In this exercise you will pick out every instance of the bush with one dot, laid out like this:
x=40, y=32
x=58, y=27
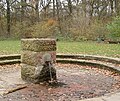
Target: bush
x=114, y=29
x=18, y=29
x=3, y=28
x=42, y=29
x=79, y=28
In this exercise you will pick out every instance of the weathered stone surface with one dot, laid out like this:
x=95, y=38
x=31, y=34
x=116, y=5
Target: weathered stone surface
x=39, y=48
x=35, y=58
x=37, y=74
x=40, y=41
x=38, y=56
x=27, y=72
x=38, y=45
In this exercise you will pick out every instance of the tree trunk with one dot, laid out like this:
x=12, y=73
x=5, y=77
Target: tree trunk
x=70, y=7
x=22, y=10
x=117, y=9
x=37, y=10
x=84, y=4
x=8, y=18
x=53, y=8
x=58, y=16
x=111, y=6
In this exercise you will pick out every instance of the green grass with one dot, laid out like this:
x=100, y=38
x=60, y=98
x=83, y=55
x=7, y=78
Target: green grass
x=92, y=48
x=9, y=47
x=111, y=50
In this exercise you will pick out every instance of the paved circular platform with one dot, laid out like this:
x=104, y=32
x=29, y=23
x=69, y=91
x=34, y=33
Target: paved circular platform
x=75, y=82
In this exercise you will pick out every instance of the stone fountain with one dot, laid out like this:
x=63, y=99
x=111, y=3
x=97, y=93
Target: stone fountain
x=38, y=57
x=74, y=81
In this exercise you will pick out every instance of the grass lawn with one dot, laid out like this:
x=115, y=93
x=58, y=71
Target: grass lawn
x=9, y=47
x=112, y=50
x=91, y=48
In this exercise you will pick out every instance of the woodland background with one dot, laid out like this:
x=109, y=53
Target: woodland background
x=73, y=20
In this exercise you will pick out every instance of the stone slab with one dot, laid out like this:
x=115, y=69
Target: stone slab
x=93, y=99
x=113, y=97
x=38, y=45
x=109, y=97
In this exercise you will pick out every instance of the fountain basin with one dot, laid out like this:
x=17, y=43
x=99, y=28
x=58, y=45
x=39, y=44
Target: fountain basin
x=75, y=82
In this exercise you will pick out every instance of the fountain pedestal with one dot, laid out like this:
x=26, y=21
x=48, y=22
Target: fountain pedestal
x=37, y=59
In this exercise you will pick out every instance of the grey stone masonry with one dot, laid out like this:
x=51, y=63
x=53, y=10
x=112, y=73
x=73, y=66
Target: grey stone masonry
x=33, y=55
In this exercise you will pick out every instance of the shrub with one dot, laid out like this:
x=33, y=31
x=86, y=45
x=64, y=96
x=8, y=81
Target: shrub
x=42, y=29
x=114, y=29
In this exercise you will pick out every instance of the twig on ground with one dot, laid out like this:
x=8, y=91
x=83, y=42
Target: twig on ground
x=15, y=89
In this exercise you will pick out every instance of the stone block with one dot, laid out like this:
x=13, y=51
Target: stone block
x=38, y=45
x=27, y=72
x=35, y=58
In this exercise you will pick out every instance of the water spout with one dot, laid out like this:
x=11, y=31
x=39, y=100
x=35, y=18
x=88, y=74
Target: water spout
x=49, y=65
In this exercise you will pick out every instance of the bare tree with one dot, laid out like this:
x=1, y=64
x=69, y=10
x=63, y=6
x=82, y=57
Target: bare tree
x=8, y=18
